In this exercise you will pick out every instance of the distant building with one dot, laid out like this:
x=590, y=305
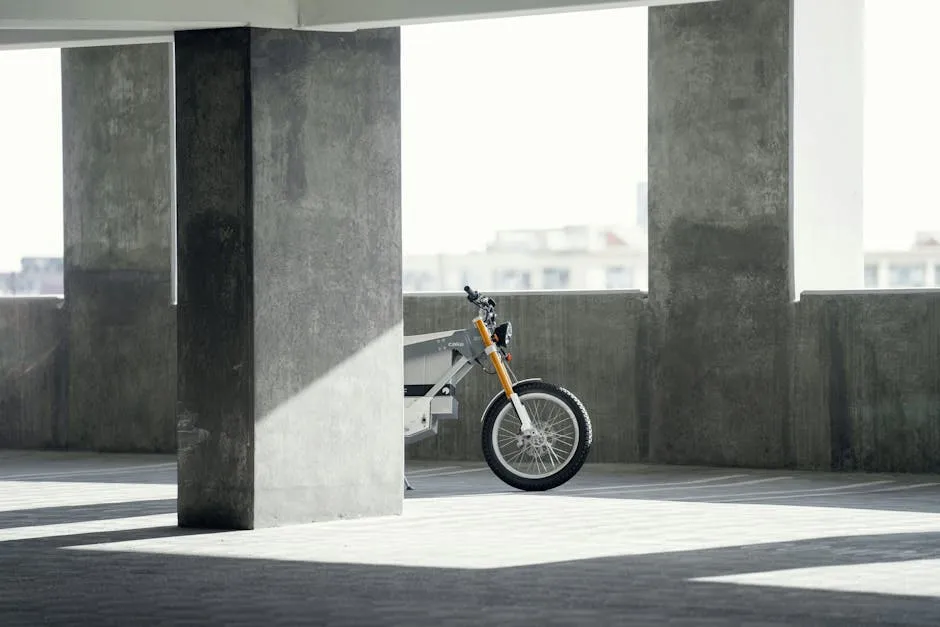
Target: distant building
x=578, y=257
x=38, y=276
x=599, y=258
x=574, y=257
x=918, y=267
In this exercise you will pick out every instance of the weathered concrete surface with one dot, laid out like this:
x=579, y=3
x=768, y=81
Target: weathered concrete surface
x=867, y=374
x=290, y=305
x=118, y=162
x=720, y=280
x=32, y=373
x=587, y=342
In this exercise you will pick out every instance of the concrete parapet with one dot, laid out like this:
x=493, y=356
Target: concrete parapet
x=867, y=381
x=864, y=391
x=32, y=373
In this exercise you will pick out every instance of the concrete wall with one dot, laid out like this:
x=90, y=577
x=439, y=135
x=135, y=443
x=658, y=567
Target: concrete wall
x=865, y=391
x=865, y=376
x=867, y=382
x=589, y=342
x=32, y=373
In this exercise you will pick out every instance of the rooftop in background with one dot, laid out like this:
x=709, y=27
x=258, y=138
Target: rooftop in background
x=569, y=239
x=927, y=239
x=38, y=276
x=924, y=245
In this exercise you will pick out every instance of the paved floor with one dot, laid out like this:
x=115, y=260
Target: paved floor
x=90, y=539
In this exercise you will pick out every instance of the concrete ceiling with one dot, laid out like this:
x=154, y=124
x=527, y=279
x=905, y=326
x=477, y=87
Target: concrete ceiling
x=42, y=23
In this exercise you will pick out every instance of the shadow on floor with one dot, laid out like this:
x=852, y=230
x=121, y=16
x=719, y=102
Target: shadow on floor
x=40, y=583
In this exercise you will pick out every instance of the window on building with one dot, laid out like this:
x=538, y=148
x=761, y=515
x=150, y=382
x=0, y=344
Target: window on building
x=513, y=280
x=902, y=275
x=871, y=276
x=556, y=278
x=619, y=278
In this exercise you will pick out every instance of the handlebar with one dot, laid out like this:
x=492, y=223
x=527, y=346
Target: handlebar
x=483, y=302
x=477, y=298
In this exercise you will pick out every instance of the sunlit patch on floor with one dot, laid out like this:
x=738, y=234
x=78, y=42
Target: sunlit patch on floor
x=498, y=531
x=59, y=530
x=21, y=495
x=910, y=578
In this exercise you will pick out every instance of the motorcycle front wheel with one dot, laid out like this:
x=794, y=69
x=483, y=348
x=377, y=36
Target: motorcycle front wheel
x=553, y=454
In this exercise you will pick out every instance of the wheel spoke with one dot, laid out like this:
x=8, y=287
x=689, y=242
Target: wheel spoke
x=507, y=433
x=518, y=454
x=538, y=459
x=561, y=415
x=555, y=458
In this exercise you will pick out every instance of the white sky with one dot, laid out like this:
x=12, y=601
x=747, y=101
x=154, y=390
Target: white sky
x=30, y=155
x=541, y=116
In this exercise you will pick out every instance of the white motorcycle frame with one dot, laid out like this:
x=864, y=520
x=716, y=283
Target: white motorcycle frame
x=436, y=362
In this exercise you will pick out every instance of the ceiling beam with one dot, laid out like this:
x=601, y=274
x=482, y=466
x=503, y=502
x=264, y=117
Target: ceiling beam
x=31, y=39
x=348, y=15
x=145, y=15
x=44, y=23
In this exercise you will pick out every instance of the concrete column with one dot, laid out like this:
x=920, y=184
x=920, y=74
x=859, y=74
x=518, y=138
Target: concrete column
x=720, y=245
x=290, y=305
x=117, y=197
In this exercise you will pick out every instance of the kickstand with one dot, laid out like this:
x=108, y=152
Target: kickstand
x=408, y=484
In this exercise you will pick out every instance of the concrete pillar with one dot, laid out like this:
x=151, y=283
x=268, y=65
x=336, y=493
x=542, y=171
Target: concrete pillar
x=720, y=245
x=290, y=304
x=117, y=197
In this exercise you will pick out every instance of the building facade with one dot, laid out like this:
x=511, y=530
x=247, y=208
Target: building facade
x=577, y=257
x=918, y=267
x=599, y=258
x=37, y=276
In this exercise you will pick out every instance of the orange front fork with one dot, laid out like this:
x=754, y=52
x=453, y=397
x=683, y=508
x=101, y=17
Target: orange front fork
x=494, y=357
x=501, y=371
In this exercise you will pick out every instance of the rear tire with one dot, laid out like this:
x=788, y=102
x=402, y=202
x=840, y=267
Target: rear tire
x=565, y=466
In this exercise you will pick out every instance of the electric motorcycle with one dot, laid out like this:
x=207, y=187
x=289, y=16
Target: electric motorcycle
x=535, y=435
